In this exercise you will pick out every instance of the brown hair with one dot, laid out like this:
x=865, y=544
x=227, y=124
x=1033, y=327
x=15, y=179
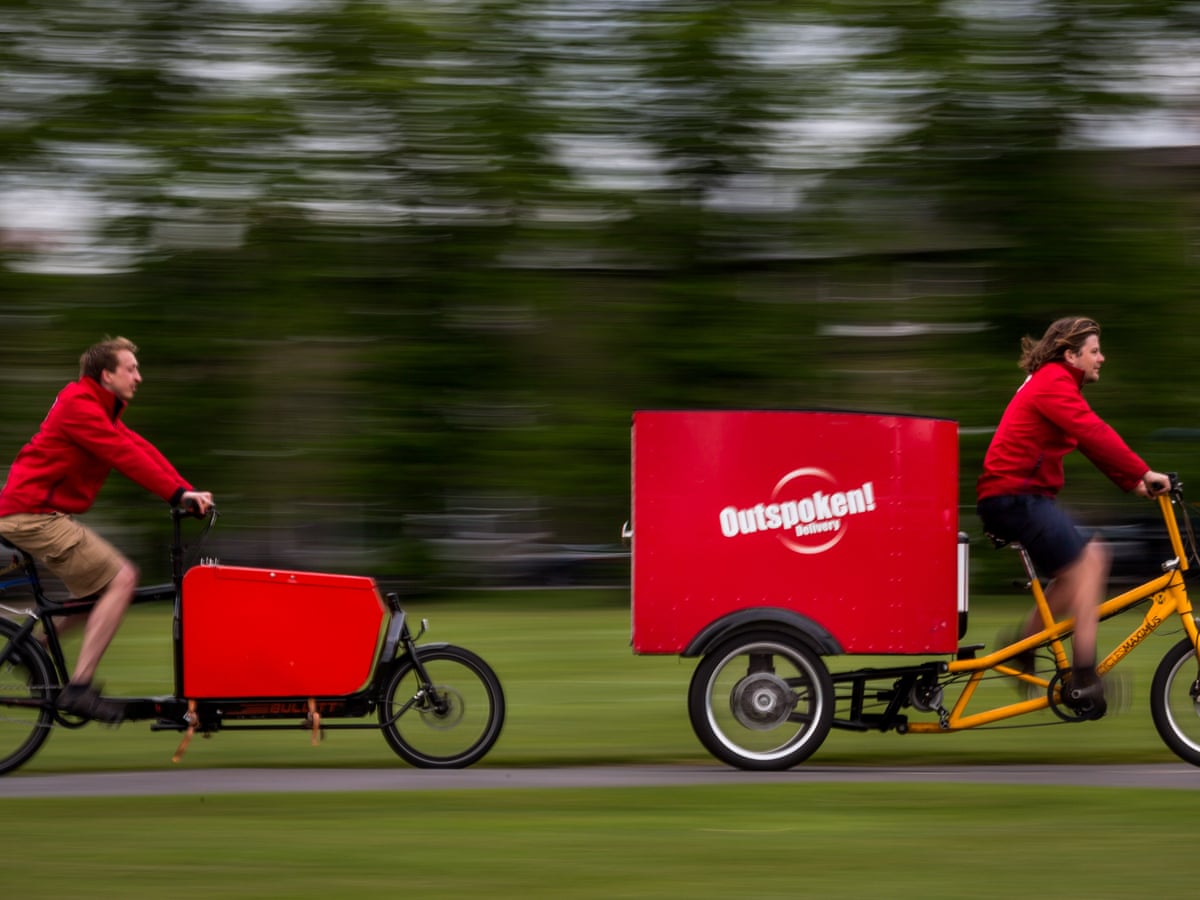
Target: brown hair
x=1064, y=334
x=102, y=357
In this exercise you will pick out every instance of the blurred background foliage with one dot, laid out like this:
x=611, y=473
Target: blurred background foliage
x=400, y=271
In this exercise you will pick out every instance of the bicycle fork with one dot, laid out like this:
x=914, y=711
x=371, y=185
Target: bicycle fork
x=401, y=642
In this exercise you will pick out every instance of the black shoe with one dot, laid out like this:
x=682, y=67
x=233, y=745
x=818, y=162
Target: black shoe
x=85, y=700
x=1084, y=693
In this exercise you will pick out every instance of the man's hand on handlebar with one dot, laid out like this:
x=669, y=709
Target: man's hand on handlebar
x=1152, y=484
x=198, y=503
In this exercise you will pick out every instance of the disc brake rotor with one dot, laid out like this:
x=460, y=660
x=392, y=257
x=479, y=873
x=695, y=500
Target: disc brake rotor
x=444, y=710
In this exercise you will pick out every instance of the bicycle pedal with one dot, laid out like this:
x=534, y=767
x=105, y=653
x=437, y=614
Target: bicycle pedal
x=1087, y=700
x=1116, y=696
x=1088, y=708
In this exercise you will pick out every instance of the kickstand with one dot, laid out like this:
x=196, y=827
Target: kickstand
x=190, y=718
x=314, y=719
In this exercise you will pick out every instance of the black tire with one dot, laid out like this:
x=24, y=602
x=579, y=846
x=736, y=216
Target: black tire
x=26, y=675
x=761, y=701
x=1175, y=701
x=456, y=727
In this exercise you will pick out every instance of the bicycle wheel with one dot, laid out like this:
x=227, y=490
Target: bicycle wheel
x=761, y=702
x=24, y=676
x=449, y=724
x=1175, y=701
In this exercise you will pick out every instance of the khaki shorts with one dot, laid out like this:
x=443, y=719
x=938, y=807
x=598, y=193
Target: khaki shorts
x=77, y=556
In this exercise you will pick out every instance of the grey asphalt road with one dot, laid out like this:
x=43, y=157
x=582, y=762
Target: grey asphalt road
x=182, y=781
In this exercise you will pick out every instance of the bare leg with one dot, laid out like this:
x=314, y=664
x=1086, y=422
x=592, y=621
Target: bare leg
x=63, y=626
x=1077, y=591
x=104, y=620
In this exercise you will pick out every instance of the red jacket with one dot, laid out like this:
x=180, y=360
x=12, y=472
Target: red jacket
x=1045, y=420
x=81, y=440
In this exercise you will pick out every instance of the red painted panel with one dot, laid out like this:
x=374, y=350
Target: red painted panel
x=274, y=633
x=850, y=519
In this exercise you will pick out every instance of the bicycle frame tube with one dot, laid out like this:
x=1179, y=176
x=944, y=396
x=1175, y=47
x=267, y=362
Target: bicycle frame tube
x=23, y=632
x=37, y=608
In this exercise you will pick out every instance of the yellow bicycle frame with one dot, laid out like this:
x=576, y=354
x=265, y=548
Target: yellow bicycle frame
x=1168, y=597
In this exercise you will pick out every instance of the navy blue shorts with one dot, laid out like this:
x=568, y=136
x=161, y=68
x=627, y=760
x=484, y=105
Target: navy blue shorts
x=1039, y=525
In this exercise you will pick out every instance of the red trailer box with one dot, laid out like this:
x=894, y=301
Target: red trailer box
x=845, y=523
x=273, y=633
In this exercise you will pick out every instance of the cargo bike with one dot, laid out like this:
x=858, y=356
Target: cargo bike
x=767, y=543
x=258, y=649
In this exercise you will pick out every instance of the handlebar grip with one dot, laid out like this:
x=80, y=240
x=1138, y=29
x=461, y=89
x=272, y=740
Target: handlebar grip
x=1172, y=485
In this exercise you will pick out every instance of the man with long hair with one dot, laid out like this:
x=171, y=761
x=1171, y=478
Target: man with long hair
x=1046, y=419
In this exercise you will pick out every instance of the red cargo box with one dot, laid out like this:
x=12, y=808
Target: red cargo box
x=848, y=519
x=273, y=633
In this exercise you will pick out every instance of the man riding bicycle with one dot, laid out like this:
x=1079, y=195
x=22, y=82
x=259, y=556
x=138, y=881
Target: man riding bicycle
x=57, y=476
x=1045, y=420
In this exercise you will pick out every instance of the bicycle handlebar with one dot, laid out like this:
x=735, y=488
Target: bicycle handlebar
x=1159, y=489
x=191, y=511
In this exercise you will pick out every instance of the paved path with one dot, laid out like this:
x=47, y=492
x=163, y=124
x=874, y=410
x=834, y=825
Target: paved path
x=246, y=781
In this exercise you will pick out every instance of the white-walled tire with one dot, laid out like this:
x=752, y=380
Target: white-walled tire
x=761, y=701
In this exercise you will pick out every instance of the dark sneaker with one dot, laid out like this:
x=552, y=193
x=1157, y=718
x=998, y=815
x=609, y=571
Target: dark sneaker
x=1084, y=693
x=85, y=700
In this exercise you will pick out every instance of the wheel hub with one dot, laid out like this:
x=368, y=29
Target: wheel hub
x=762, y=701
x=442, y=709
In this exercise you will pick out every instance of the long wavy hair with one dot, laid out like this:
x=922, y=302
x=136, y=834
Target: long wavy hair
x=1065, y=334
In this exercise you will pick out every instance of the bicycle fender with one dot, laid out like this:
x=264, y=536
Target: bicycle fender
x=436, y=645
x=401, y=660
x=785, y=621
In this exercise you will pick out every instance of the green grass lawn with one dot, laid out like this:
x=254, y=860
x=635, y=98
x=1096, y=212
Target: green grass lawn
x=761, y=841
x=577, y=696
